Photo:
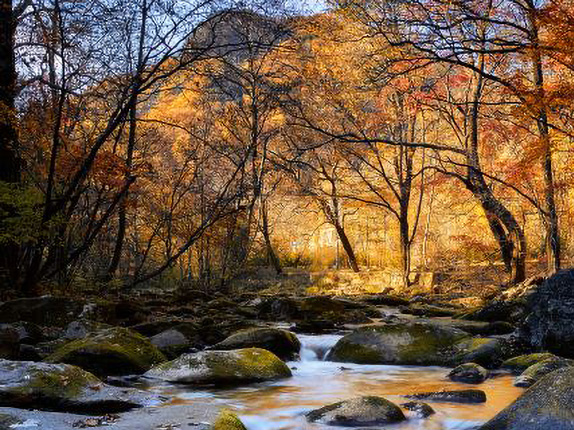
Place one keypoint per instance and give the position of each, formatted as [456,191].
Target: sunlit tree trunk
[551,215]
[274,259]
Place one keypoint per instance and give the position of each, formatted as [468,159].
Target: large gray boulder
[282,343]
[549,324]
[423,344]
[222,367]
[26,384]
[360,411]
[539,370]
[416,344]
[546,405]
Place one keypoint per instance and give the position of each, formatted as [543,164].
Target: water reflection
[281,405]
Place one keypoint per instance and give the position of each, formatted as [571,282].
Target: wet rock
[278,309]
[315,327]
[26,384]
[429,310]
[9,342]
[384,300]
[537,371]
[360,411]
[496,328]
[29,333]
[470,373]
[172,343]
[282,343]
[222,367]
[336,310]
[80,329]
[29,353]
[454,396]
[546,405]
[519,364]
[47,310]
[548,326]
[416,344]
[419,409]
[151,328]
[315,308]
[489,353]
[498,310]
[8,421]
[114,351]
[227,420]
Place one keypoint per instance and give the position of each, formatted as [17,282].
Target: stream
[281,405]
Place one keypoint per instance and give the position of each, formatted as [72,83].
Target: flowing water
[280,405]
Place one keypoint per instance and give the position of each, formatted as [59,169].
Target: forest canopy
[150,142]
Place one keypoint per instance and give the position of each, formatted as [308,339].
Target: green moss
[223,367]
[256,363]
[116,347]
[356,353]
[523,362]
[69,382]
[487,352]
[227,420]
[424,344]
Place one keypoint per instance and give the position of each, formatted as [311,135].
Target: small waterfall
[316,347]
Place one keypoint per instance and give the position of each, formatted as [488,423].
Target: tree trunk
[551,215]
[512,241]
[504,243]
[405,247]
[267,236]
[347,247]
[9,159]
[122,211]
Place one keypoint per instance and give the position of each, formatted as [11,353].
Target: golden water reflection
[281,405]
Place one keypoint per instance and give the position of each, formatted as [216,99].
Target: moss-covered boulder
[488,352]
[469,373]
[520,363]
[227,420]
[545,405]
[360,411]
[537,371]
[416,344]
[114,351]
[282,343]
[26,384]
[222,367]
[451,396]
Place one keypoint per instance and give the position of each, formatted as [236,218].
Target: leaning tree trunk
[504,243]
[347,247]
[267,236]
[503,225]
[513,242]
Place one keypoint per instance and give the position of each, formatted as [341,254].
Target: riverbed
[281,405]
